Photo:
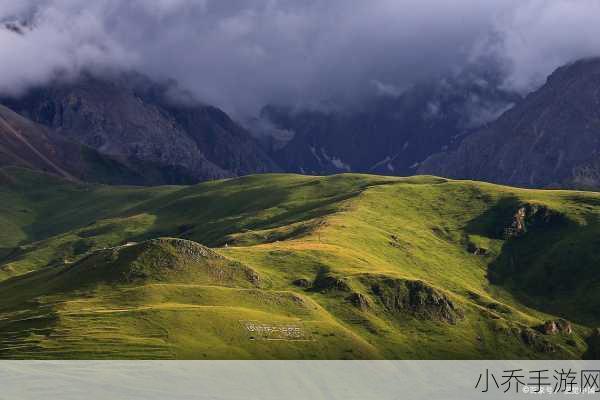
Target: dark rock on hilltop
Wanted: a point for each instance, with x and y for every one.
(533, 339)
(302, 282)
(551, 138)
(531, 216)
(325, 282)
(359, 301)
(559, 326)
(399, 296)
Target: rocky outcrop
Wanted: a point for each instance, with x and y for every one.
(416, 298)
(555, 327)
(530, 216)
(359, 301)
(517, 226)
(325, 282)
(551, 138)
(534, 340)
(302, 283)
(476, 250)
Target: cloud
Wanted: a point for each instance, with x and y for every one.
(242, 54)
(385, 89)
(42, 42)
(539, 36)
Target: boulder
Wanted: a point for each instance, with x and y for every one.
(359, 301)
(301, 282)
(533, 339)
(327, 282)
(559, 326)
(528, 216)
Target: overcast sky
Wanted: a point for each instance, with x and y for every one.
(242, 54)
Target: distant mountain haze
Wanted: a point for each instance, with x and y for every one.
(466, 126)
(550, 139)
(395, 132)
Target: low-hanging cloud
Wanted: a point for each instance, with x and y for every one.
(242, 54)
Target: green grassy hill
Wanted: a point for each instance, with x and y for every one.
(287, 266)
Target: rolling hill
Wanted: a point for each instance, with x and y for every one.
(286, 266)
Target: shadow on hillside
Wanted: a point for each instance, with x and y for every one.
(550, 267)
(6, 253)
(210, 218)
(493, 221)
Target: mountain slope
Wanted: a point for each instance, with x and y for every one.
(347, 266)
(552, 138)
(142, 122)
(393, 133)
(24, 143)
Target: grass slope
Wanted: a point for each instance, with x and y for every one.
(348, 266)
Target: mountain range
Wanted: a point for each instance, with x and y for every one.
(110, 248)
(394, 132)
(550, 139)
(125, 128)
(143, 123)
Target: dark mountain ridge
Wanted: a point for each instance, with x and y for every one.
(141, 122)
(392, 134)
(141, 132)
(24, 143)
(550, 139)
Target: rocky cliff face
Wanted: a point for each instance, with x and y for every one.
(551, 138)
(129, 117)
(26, 144)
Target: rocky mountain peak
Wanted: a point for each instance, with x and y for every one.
(133, 118)
(551, 138)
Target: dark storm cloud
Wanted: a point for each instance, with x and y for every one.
(241, 54)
